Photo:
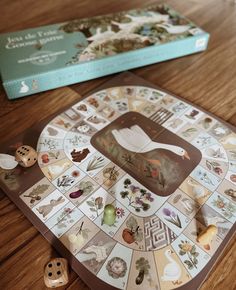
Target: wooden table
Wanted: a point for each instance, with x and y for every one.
(207, 79)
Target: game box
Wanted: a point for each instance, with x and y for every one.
(47, 57)
(167, 167)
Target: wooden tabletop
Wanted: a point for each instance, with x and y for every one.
(207, 79)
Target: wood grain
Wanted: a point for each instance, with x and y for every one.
(207, 79)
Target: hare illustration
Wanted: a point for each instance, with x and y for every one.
(47, 208)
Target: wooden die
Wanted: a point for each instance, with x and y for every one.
(26, 156)
(56, 273)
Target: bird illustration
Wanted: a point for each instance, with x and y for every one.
(172, 271)
(55, 170)
(7, 161)
(101, 36)
(134, 139)
(198, 190)
(24, 88)
(174, 29)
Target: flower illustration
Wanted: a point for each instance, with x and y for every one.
(116, 267)
(138, 197)
(190, 250)
(75, 173)
(227, 208)
(172, 217)
(120, 212)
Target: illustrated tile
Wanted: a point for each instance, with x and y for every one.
(121, 215)
(157, 234)
(136, 198)
(115, 93)
(109, 175)
(194, 229)
(94, 205)
(171, 271)
(115, 270)
(50, 205)
(195, 190)
(174, 124)
(218, 168)
(66, 219)
(51, 131)
(136, 105)
(192, 115)
(219, 130)
(72, 115)
(229, 142)
(168, 101)
(206, 178)
(79, 235)
(83, 109)
(37, 193)
(97, 121)
(208, 216)
(184, 203)
(48, 144)
(96, 251)
(82, 190)
(47, 158)
(55, 169)
(179, 108)
(215, 152)
(74, 140)
(223, 206)
(206, 122)
(231, 176)
(94, 164)
(203, 140)
(188, 132)
(227, 189)
(173, 218)
(68, 179)
(108, 112)
(143, 274)
(78, 155)
(62, 122)
(121, 105)
(131, 233)
(193, 258)
(84, 128)
(232, 166)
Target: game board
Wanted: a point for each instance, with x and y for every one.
(168, 167)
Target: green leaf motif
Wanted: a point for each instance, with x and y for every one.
(90, 203)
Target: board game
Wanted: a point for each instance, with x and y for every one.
(166, 166)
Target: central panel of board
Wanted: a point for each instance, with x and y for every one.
(154, 156)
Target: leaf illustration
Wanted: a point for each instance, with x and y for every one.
(208, 165)
(189, 264)
(90, 203)
(92, 209)
(182, 253)
(179, 222)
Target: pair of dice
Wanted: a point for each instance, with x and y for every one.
(56, 273)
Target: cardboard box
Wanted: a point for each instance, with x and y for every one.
(48, 57)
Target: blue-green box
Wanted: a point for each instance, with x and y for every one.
(48, 57)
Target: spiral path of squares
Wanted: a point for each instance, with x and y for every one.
(153, 241)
